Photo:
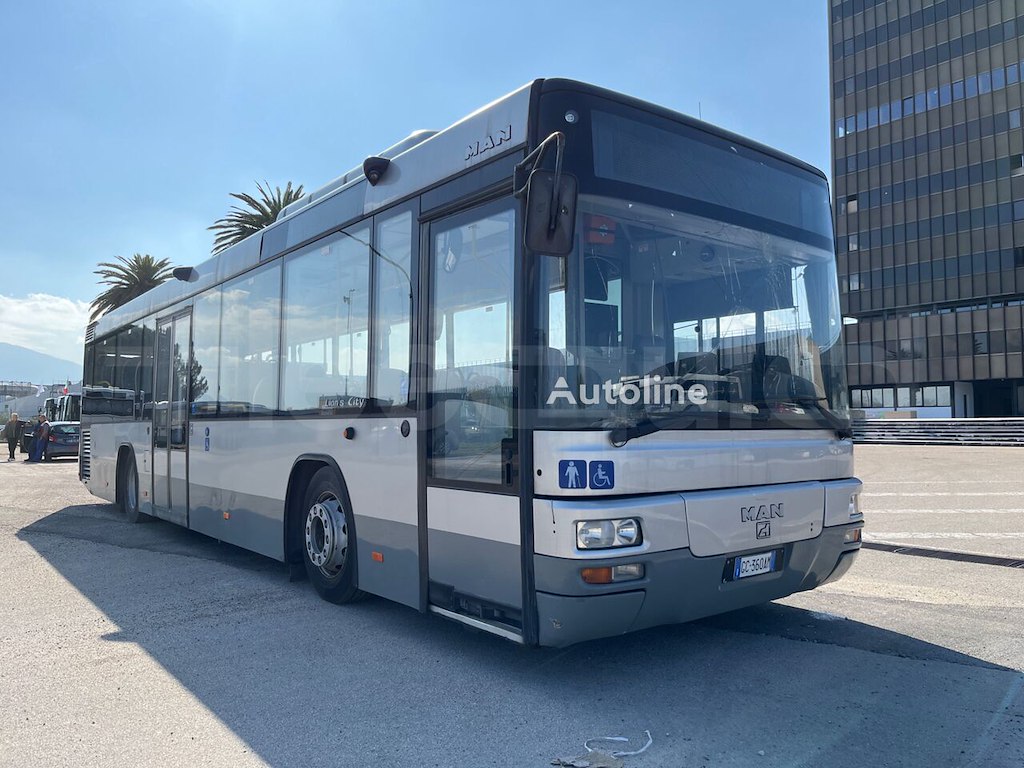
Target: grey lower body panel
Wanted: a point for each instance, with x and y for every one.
(677, 587)
(252, 522)
(480, 568)
(395, 574)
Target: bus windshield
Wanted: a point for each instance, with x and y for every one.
(678, 320)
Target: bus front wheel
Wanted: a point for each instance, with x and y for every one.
(329, 545)
(130, 491)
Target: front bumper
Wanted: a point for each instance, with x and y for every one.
(677, 587)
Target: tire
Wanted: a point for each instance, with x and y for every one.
(328, 539)
(130, 492)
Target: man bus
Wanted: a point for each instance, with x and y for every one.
(567, 369)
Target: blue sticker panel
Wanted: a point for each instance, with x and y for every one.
(572, 473)
(602, 475)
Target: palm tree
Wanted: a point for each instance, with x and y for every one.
(241, 223)
(127, 279)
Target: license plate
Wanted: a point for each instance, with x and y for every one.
(754, 565)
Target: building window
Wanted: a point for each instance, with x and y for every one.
(929, 396)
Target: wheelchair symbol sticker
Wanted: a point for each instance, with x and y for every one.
(602, 475)
(572, 473)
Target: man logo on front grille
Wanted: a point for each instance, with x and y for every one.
(764, 530)
(761, 512)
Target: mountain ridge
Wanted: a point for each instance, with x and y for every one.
(23, 364)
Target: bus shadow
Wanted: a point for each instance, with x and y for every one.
(387, 685)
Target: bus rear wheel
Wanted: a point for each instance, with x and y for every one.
(329, 545)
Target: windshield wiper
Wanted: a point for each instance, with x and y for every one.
(842, 427)
(647, 425)
(619, 436)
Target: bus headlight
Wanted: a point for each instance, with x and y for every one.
(605, 534)
(627, 532)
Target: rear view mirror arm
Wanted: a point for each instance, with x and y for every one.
(521, 174)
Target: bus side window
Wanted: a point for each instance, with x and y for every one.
(326, 316)
(249, 342)
(393, 309)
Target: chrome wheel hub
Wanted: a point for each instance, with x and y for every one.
(327, 536)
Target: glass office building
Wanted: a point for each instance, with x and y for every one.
(928, 177)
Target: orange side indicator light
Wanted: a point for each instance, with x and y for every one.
(597, 575)
(378, 557)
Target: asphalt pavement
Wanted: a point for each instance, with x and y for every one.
(967, 499)
(152, 645)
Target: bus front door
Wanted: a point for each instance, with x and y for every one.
(170, 419)
(472, 505)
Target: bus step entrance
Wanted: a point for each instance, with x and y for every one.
(504, 616)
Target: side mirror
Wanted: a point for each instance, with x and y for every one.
(550, 212)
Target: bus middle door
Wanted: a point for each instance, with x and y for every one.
(170, 418)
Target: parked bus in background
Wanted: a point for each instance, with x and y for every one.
(69, 407)
(569, 368)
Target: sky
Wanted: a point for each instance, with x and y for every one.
(124, 125)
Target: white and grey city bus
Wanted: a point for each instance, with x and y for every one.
(566, 369)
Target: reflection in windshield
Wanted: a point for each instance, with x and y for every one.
(668, 314)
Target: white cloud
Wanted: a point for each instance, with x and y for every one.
(53, 325)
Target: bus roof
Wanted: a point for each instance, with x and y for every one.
(423, 159)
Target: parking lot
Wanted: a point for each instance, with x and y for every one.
(151, 645)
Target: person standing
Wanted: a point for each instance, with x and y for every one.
(42, 436)
(12, 431)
